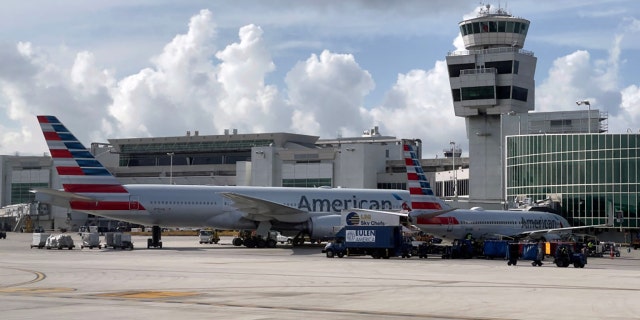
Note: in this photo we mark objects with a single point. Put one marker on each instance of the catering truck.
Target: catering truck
(376, 241)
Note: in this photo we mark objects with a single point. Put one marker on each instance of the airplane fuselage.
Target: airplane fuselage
(200, 206)
(459, 223)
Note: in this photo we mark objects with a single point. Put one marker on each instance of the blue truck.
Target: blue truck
(376, 241)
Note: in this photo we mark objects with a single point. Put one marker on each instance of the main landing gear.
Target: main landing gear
(155, 240)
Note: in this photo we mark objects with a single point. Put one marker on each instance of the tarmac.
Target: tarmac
(188, 280)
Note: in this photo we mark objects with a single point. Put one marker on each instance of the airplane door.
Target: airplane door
(134, 202)
(449, 223)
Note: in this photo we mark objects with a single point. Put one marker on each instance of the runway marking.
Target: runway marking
(147, 294)
(39, 276)
(35, 290)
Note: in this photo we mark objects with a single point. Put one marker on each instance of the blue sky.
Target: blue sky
(122, 69)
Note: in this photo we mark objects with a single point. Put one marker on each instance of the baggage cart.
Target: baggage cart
(60, 241)
(90, 240)
(39, 240)
(118, 240)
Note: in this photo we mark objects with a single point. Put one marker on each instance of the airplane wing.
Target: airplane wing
(58, 197)
(558, 230)
(414, 215)
(264, 210)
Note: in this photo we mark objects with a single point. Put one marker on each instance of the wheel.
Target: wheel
(340, 254)
(149, 243)
(237, 242)
(271, 243)
(329, 253)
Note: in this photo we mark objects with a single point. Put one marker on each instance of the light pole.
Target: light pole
(455, 181)
(581, 102)
(170, 154)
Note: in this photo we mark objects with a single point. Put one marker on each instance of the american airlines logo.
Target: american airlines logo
(539, 224)
(337, 205)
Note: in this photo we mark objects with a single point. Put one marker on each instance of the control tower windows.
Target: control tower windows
(454, 69)
(502, 67)
(493, 26)
(503, 92)
(477, 93)
(519, 93)
(456, 94)
(501, 26)
(509, 26)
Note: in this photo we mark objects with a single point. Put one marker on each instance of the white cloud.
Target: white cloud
(420, 106)
(195, 83)
(328, 93)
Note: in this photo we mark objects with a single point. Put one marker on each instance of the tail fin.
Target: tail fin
(79, 171)
(420, 192)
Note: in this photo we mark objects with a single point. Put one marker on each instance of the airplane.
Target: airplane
(435, 217)
(90, 188)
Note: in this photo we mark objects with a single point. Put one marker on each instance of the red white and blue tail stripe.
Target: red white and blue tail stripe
(420, 192)
(79, 171)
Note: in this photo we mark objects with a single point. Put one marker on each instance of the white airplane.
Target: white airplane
(433, 216)
(89, 187)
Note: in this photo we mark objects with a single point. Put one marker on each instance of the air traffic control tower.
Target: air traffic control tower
(493, 78)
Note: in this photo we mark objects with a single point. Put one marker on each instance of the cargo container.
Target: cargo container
(90, 240)
(39, 240)
(118, 240)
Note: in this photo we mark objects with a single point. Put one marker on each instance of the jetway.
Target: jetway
(24, 217)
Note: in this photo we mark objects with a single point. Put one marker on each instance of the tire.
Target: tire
(329, 253)
(340, 254)
(237, 242)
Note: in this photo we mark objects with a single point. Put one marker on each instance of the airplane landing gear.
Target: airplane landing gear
(155, 240)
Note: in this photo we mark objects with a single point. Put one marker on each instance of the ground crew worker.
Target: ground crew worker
(539, 255)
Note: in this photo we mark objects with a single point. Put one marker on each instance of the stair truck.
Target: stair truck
(376, 241)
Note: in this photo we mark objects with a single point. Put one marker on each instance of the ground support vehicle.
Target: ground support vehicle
(376, 241)
(610, 249)
(60, 241)
(423, 250)
(460, 249)
(118, 240)
(249, 239)
(90, 240)
(283, 239)
(208, 236)
(39, 240)
(565, 255)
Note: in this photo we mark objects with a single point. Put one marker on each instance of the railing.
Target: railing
(478, 71)
(490, 50)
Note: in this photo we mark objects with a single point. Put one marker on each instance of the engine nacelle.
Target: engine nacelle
(323, 227)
